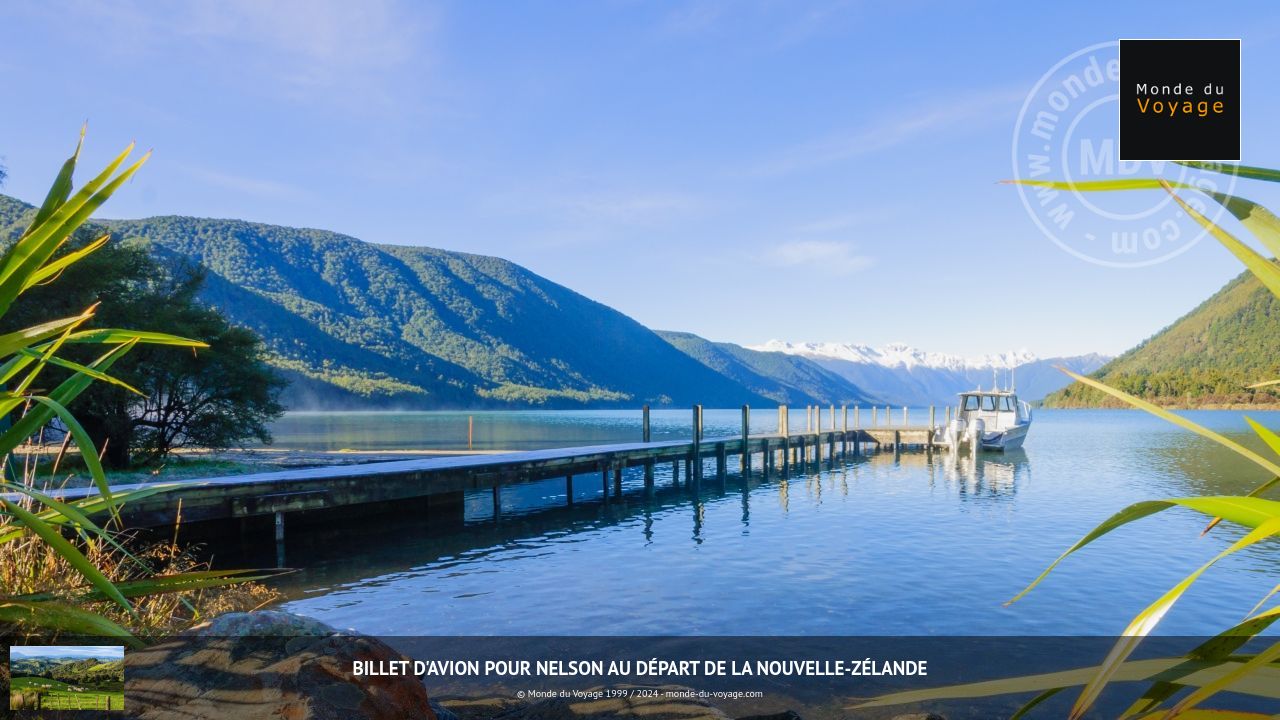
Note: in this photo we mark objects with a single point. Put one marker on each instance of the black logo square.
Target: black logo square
(1180, 100)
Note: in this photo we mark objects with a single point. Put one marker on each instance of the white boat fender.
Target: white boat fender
(976, 429)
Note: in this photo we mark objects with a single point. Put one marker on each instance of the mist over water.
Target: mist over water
(875, 545)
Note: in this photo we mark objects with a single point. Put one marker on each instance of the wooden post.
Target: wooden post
(279, 539)
(857, 411)
(497, 501)
(746, 438)
(932, 428)
(888, 420)
(604, 482)
(648, 475)
(833, 417)
(696, 473)
(904, 417)
(948, 416)
(844, 430)
(932, 417)
(721, 461)
(644, 422)
(874, 410)
(675, 473)
(617, 479)
(471, 427)
(568, 487)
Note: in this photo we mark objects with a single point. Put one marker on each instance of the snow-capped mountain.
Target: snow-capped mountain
(900, 374)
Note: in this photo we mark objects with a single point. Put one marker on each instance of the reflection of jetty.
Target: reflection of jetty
(437, 485)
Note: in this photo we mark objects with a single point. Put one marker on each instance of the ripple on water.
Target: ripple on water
(874, 546)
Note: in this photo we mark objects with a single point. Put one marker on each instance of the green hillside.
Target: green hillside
(85, 672)
(780, 377)
(1208, 357)
(360, 325)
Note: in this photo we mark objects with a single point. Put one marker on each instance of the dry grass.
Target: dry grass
(31, 566)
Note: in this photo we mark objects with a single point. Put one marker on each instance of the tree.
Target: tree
(215, 397)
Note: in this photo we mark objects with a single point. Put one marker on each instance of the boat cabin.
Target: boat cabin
(998, 409)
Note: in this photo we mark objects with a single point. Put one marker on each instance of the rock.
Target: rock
(442, 712)
(478, 708)
(270, 665)
(786, 715)
(649, 708)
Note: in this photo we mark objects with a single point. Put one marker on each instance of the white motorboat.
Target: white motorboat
(988, 420)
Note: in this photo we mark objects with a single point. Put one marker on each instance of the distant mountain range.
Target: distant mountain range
(1208, 357)
(358, 325)
(903, 375)
(780, 377)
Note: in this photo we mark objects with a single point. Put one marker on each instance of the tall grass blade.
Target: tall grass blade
(85, 443)
(1262, 659)
(1144, 622)
(18, 340)
(1245, 171)
(1192, 673)
(85, 370)
(73, 556)
(51, 269)
(61, 188)
(1263, 269)
(65, 617)
(1247, 511)
(1180, 421)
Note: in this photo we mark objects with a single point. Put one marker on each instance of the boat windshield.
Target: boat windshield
(989, 403)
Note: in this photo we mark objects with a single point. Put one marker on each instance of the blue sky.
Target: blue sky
(100, 652)
(743, 170)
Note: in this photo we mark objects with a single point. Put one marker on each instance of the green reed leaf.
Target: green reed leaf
(69, 552)
(1250, 172)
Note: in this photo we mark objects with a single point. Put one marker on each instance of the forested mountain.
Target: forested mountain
(1207, 357)
(357, 324)
(783, 378)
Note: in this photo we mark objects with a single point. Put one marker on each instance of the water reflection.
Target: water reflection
(532, 514)
(887, 543)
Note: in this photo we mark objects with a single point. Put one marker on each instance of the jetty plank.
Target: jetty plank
(386, 483)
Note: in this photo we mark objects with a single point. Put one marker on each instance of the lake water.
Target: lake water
(876, 545)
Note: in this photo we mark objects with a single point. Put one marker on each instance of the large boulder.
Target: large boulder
(270, 665)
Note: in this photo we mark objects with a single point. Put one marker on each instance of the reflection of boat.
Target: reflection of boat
(986, 475)
(988, 420)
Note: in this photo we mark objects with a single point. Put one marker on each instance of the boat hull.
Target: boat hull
(1010, 439)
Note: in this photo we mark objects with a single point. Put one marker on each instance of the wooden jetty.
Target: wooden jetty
(438, 484)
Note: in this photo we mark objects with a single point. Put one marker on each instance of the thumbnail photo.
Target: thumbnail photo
(66, 677)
